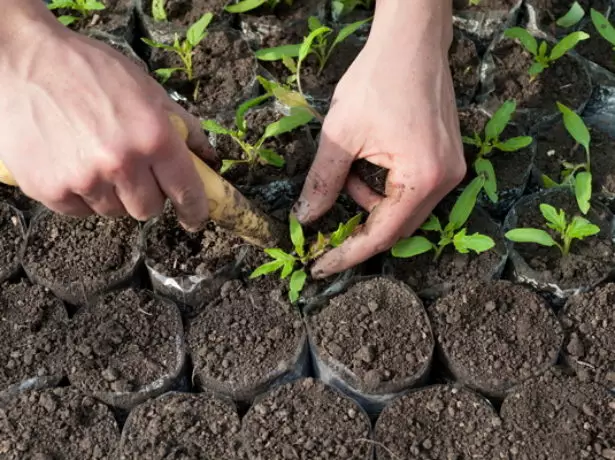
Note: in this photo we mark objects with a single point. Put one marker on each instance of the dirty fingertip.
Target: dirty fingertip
(301, 210)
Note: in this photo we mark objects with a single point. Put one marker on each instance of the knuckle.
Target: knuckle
(153, 136)
(84, 184)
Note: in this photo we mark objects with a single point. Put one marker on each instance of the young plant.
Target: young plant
(184, 49)
(158, 11)
(490, 141)
(287, 96)
(83, 7)
(473, 2)
(572, 17)
(249, 5)
(340, 8)
(603, 26)
(453, 233)
(578, 228)
(256, 153)
(542, 58)
(303, 254)
(577, 176)
(316, 43)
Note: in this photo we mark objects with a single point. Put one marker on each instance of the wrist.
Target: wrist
(24, 20)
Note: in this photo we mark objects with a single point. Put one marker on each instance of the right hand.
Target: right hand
(84, 130)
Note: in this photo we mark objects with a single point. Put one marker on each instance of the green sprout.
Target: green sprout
(473, 2)
(493, 129)
(603, 26)
(184, 49)
(579, 228)
(287, 96)
(572, 17)
(83, 7)
(256, 153)
(543, 59)
(158, 11)
(316, 43)
(249, 5)
(340, 8)
(577, 176)
(453, 233)
(303, 255)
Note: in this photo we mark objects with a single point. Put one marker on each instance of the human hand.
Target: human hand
(85, 130)
(395, 107)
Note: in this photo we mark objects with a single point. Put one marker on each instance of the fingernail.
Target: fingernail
(301, 210)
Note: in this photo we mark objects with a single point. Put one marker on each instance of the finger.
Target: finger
(140, 194)
(72, 205)
(324, 181)
(104, 201)
(362, 193)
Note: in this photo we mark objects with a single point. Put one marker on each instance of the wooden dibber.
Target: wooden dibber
(227, 207)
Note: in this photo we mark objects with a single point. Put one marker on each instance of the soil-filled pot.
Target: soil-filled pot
(78, 259)
(440, 422)
(504, 76)
(464, 63)
(589, 321)
(181, 425)
(12, 238)
(224, 73)
(487, 18)
(247, 340)
(558, 417)
(126, 347)
(189, 268)
(494, 335)
(512, 169)
(373, 341)
(60, 423)
(589, 262)
(431, 278)
(15, 197)
(117, 18)
(542, 15)
(599, 52)
(306, 420)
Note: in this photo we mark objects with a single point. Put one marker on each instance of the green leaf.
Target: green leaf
(349, 30)
(603, 26)
(228, 164)
(581, 228)
(296, 235)
(542, 50)
(288, 269)
(165, 74)
(267, 268)
(526, 39)
(530, 235)
(197, 31)
(314, 23)
(297, 281)
(514, 143)
(271, 157)
(475, 242)
(485, 167)
(345, 230)
(536, 68)
(572, 17)
(465, 204)
(583, 190)
(547, 182)
(94, 5)
(214, 127)
(566, 44)
(306, 46)
(240, 121)
(575, 126)
(158, 11)
(470, 141)
(410, 247)
(337, 9)
(278, 254)
(432, 224)
(154, 44)
(500, 119)
(298, 117)
(244, 6)
(57, 4)
(290, 98)
(555, 218)
(278, 52)
(67, 20)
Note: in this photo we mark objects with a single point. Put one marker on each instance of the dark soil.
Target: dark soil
(596, 48)
(116, 16)
(181, 426)
(77, 258)
(495, 335)
(244, 339)
(512, 169)
(124, 342)
(373, 175)
(549, 11)
(187, 12)
(14, 196)
(464, 61)
(590, 343)
(558, 417)
(296, 147)
(590, 260)
(440, 422)
(379, 331)
(484, 5)
(57, 424)
(555, 145)
(285, 13)
(432, 278)
(224, 67)
(11, 241)
(33, 330)
(306, 420)
(564, 81)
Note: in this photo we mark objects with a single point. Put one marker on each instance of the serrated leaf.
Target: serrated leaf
(432, 224)
(527, 40)
(270, 156)
(475, 242)
(306, 46)
(214, 127)
(349, 30)
(296, 235)
(603, 26)
(485, 167)
(165, 74)
(410, 247)
(575, 126)
(278, 52)
(566, 44)
(67, 20)
(158, 11)
(583, 190)
(228, 164)
(556, 219)
(240, 121)
(572, 17)
(465, 204)
(500, 119)
(581, 228)
(298, 117)
(297, 281)
(514, 143)
(530, 235)
(244, 6)
(267, 268)
(197, 31)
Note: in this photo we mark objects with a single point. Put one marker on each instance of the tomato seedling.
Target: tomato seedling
(453, 233)
(83, 7)
(578, 228)
(542, 58)
(303, 254)
(341, 8)
(184, 49)
(249, 5)
(158, 12)
(603, 26)
(491, 140)
(257, 153)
